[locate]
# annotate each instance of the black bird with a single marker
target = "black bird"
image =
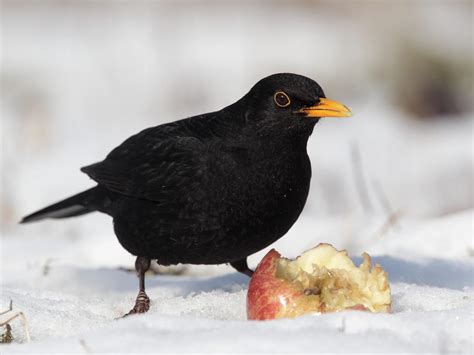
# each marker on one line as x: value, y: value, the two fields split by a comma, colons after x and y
x: 213, y: 188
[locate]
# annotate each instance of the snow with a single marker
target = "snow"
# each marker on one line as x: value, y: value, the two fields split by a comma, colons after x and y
x: 209, y: 315
x: 193, y: 323
x: 74, y: 305
x: 78, y: 79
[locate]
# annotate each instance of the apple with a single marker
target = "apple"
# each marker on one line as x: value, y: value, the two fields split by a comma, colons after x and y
x: 322, y: 279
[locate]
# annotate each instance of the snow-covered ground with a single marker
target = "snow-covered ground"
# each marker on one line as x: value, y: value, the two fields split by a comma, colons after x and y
x: 78, y: 79
x: 72, y: 304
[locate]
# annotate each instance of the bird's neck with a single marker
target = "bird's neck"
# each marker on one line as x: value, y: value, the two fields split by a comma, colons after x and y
x: 294, y: 131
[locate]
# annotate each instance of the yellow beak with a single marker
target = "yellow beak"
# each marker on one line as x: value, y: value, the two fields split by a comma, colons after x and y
x: 326, y: 108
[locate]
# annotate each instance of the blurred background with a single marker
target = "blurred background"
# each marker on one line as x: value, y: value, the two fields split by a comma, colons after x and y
x: 79, y: 77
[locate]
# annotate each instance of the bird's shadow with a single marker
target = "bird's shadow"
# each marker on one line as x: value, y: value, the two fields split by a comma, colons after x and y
x: 430, y: 272
x: 185, y: 285
x: 73, y: 280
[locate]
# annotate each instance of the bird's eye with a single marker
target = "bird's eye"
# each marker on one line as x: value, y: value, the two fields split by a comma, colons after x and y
x: 281, y: 99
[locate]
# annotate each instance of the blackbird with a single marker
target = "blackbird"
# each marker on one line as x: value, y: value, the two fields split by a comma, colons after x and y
x: 213, y: 188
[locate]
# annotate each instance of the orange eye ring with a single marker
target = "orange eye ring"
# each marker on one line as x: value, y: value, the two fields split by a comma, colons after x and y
x: 281, y: 99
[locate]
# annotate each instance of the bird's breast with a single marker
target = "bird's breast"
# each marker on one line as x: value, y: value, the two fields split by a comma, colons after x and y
x: 270, y: 193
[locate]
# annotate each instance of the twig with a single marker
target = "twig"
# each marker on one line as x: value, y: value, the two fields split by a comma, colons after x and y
x: 392, y: 216
x: 7, y: 337
x: 9, y: 308
x: 360, y: 182
x: 342, y: 328
x: 85, y: 347
x: 47, y: 266
x: 389, y: 223
x: 14, y: 316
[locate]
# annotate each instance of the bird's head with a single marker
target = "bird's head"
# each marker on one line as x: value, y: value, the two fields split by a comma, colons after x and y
x: 292, y: 100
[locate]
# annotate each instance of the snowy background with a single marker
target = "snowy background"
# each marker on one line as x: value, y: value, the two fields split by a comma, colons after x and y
x: 396, y: 180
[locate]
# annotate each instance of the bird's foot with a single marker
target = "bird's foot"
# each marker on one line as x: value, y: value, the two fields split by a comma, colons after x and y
x: 241, y: 266
x: 247, y: 272
x: 142, y: 304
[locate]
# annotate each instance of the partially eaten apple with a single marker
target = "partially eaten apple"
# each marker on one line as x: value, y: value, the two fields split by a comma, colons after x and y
x: 322, y: 279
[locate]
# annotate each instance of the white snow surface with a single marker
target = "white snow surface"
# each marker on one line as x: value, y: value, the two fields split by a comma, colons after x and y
x: 73, y: 301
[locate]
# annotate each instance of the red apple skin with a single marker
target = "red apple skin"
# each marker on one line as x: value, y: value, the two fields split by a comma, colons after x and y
x: 268, y: 295
x: 358, y: 307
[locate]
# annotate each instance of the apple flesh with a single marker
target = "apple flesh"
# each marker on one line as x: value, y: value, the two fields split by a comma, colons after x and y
x: 322, y: 279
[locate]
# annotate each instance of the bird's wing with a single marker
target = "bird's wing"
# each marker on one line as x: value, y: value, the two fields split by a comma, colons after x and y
x: 152, y: 169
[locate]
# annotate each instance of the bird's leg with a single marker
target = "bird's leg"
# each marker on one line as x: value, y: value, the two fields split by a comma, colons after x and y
x: 241, y: 266
x: 142, y: 303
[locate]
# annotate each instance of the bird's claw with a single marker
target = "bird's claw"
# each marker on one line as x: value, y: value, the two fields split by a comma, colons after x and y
x: 142, y: 304
x: 248, y: 272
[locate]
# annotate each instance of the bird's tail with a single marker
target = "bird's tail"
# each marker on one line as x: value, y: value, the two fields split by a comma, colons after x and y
x: 82, y: 203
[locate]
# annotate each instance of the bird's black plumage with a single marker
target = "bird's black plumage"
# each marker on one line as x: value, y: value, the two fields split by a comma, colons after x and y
x: 213, y: 188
